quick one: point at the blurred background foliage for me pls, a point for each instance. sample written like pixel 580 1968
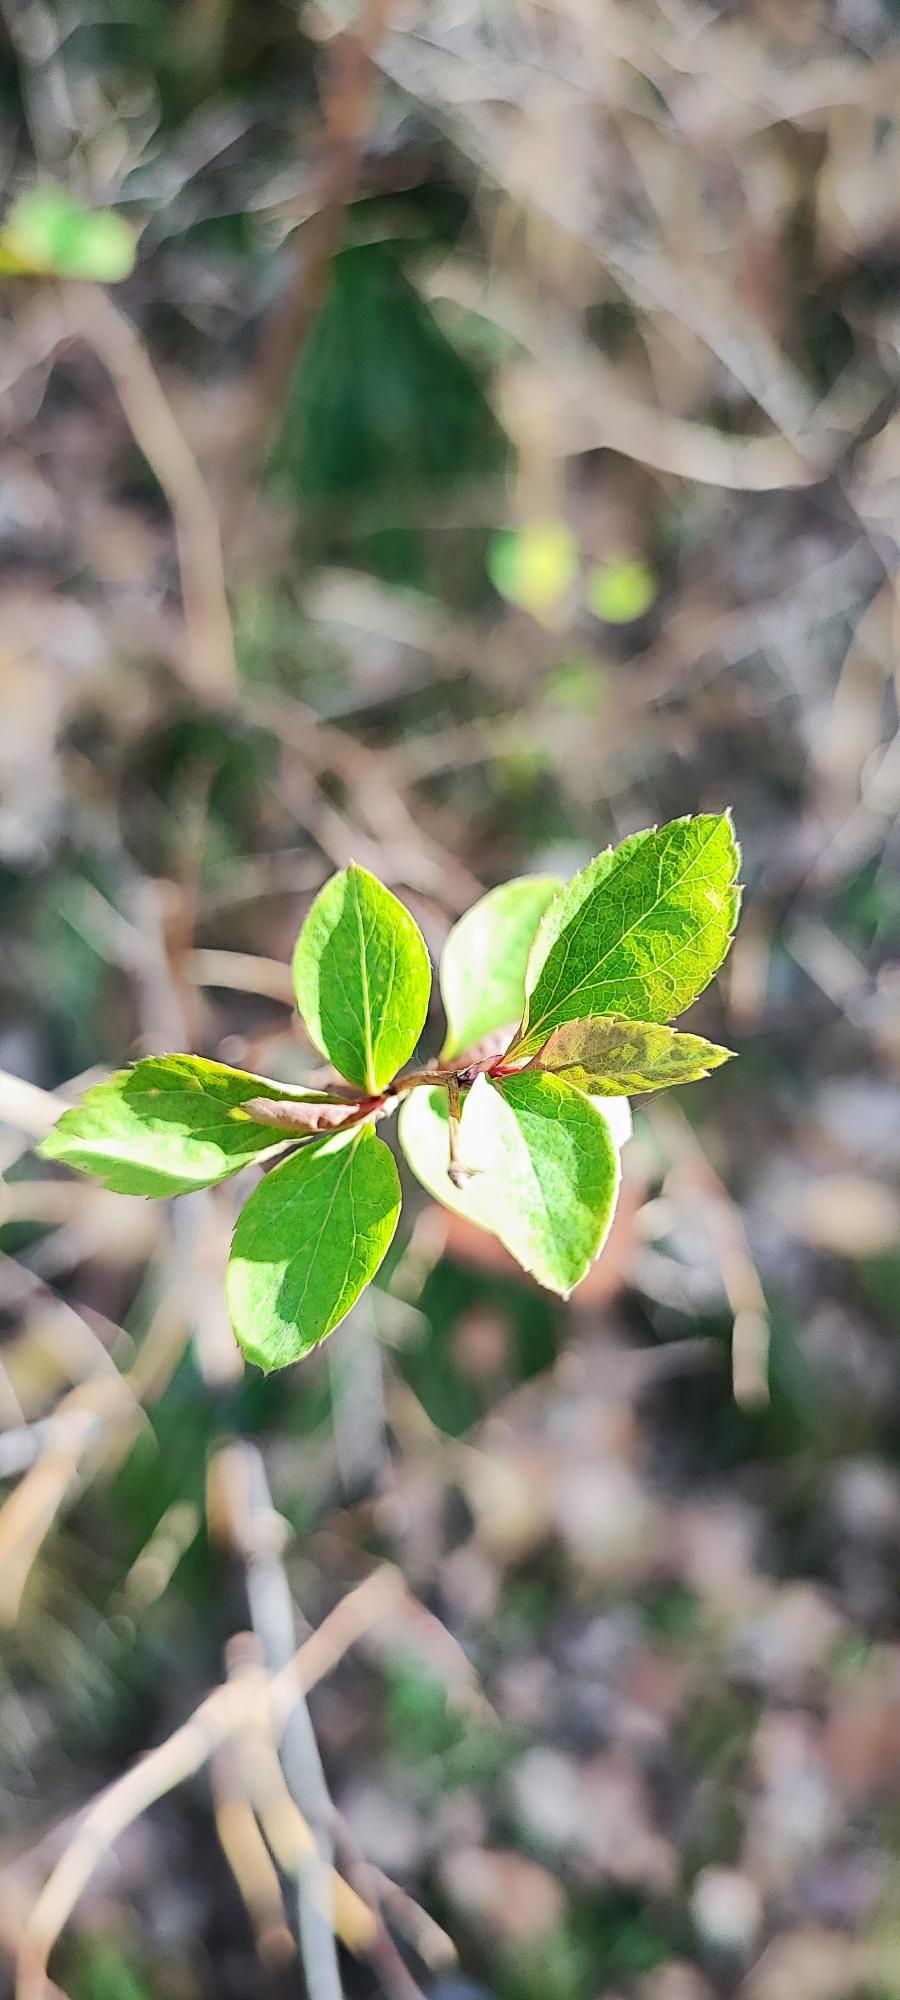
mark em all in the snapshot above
pixel 526 375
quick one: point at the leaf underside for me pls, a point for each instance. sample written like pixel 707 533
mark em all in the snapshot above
pixel 307 1242
pixel 545 1169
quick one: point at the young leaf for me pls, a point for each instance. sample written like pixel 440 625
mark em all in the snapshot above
pixel 169 1125
pixel 606 1057
pixel 484 960
pixel 545 1169
pixel 309 1239
pixel 638 933
pixel 362 978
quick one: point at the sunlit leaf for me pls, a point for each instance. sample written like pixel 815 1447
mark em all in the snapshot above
pixel 170 1124
pixel 544 1166
pixel 533 566
pixel 620 592
pixel 638 933
pixel 484 959
pixel 608 1057
pixel 309 1239
pixel 48 232
pixel 362 978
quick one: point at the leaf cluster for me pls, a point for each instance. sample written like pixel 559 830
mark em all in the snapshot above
pixel 558 1000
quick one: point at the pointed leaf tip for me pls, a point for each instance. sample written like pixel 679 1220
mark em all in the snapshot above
pixel 611 1058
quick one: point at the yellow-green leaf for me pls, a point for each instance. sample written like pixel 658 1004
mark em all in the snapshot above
pixel 533 566
pixel 620 592
pixel 49 233
pixel 607 1058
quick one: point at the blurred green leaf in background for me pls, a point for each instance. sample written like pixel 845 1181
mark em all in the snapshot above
pixel 48 233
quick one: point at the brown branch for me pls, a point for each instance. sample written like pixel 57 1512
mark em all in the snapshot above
pixel 346 107
pixel 91 316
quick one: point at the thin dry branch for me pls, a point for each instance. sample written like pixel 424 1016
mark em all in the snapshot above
pixel 294 1788
pixel 28 1108
pixel 29 1513
pixel 91 315
pixel 601 413
pixel 350 81
pixel 746 1298
pixel 225 1712
pixel 248 1857
pixel 240 972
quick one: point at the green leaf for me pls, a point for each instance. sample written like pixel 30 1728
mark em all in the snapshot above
pixel 381 406
pixel 48 232
pixel 167 1126
pixel 484 960
pixel 362 977
pixel 619 592
pixel 638 933
pixel 534 566
pixel 606 1057
pixel 545 1169
pixel 310 1238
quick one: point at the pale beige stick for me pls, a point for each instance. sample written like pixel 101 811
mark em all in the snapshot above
pixel 287 1786
pixel 435 1948
pixel 50 1452
pixel 601 412
pixel 228 1709
pixel 288 1833
pixel 240 972
pixel 27 1107
pixel 248 1858
pixel 113 1810
pixel 751 1331
pixel 30 1511
pixel 241 1505
pixel 91 314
